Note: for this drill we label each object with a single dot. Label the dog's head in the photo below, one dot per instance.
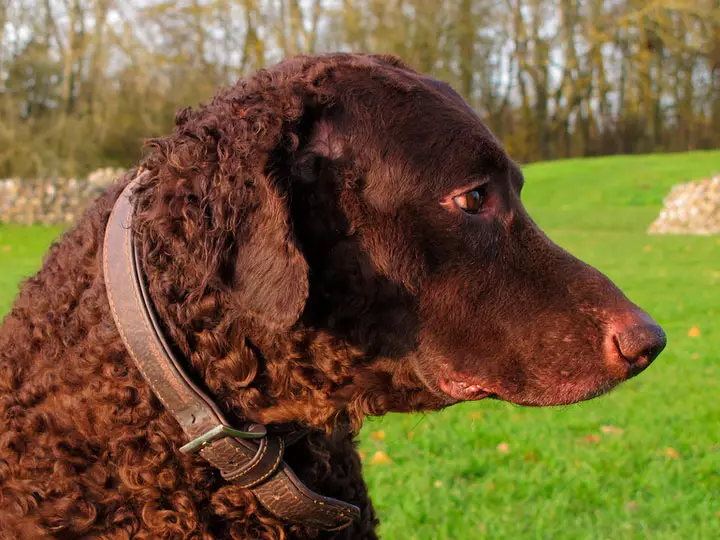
(342, 234)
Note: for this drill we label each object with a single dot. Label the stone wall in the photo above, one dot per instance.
(691, 208)
(51, 201)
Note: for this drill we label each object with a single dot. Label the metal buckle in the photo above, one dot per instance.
(255, 431)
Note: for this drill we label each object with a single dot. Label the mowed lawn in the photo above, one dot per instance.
(642, 462)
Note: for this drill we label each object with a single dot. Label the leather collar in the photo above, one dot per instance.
(250, 456)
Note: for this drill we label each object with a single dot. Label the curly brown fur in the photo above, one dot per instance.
(303, 266)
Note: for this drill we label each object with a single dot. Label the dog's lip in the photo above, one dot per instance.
(463, 388)
(453, 385)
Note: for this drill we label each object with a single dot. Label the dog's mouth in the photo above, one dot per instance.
(464, 388)
(452, 386)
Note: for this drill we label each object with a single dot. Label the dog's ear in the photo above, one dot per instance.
(271, 274)
(270, 278)
(218, 201)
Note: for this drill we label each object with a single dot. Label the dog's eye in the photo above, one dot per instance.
(471, 201)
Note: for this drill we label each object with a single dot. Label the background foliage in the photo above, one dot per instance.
(83, 82)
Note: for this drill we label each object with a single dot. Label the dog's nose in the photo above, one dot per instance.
(639, 340)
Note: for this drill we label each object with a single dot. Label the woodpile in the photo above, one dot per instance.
(691, 208)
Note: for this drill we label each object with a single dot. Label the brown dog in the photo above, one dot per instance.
(335, 237)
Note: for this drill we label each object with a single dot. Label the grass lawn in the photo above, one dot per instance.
(642, 462)
(21, 250)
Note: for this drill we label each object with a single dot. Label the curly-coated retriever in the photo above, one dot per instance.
(334, 237)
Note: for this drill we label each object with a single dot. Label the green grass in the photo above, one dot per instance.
(21, 249)
(642, 462)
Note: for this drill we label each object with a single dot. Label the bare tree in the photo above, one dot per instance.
(82, 82)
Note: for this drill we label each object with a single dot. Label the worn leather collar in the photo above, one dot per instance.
(251, 457)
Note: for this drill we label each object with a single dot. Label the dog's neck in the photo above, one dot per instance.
(248, 455)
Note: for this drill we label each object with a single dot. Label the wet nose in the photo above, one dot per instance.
(639, 342)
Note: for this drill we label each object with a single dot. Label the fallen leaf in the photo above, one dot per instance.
(612, 430)
(438, 483)
(670, 453)
(592, 438)
(631, 506)
(377, 435)
(694, 356)
(694, 332)
(410, 435)
(647, 249)
(503, 448)
(362, 454)
(5, 249)
(380, 458)
(491, 486)
(483, 528)
(475, 415)
(531, 456)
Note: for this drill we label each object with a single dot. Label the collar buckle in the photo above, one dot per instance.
(253, 431)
